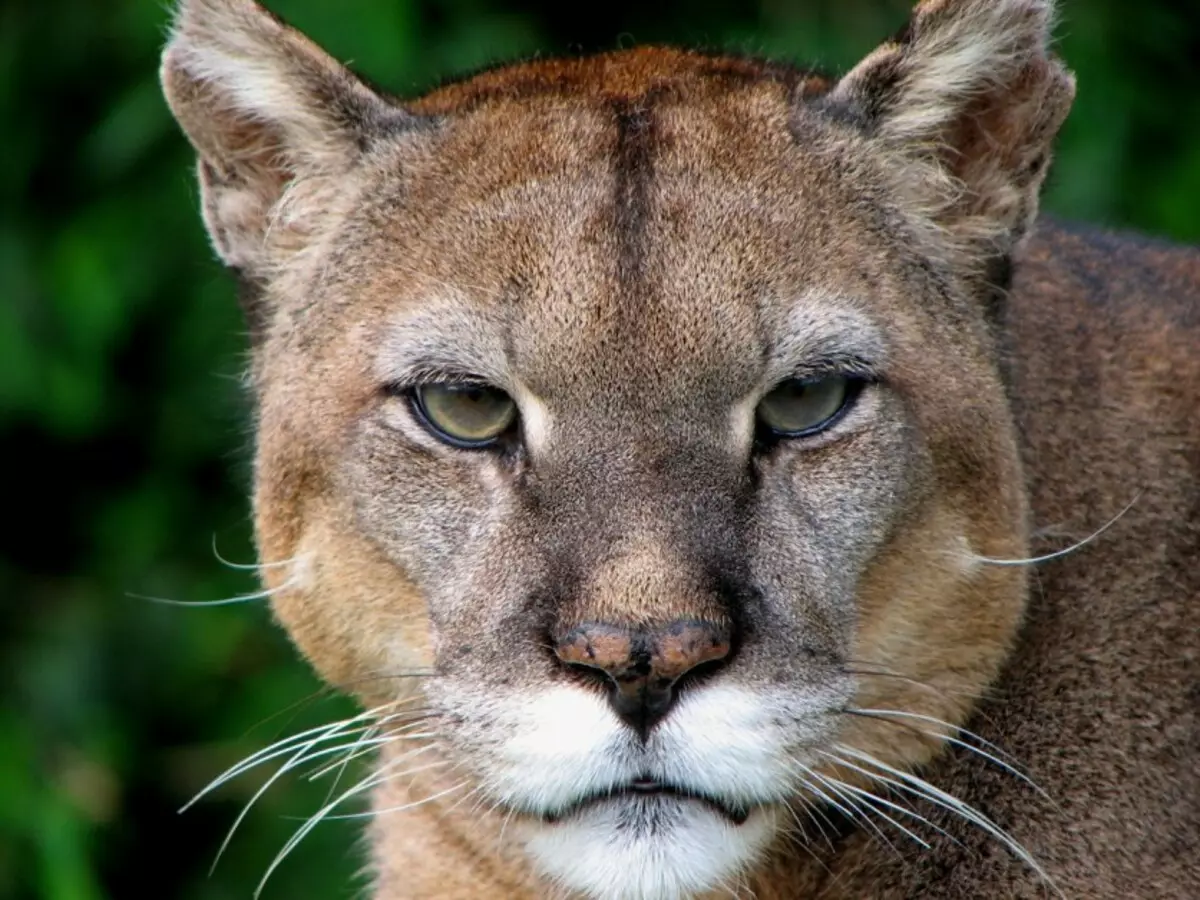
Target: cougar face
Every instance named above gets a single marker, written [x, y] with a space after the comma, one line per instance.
[647, 402]
[637, 505]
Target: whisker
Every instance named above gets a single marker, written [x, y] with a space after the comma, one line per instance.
[812, 810]
[883, 672]
[854, 812]
[373, 813]
[362, 747]
[301, 756]
[503, 825]
[302, 744]
[1034, 560]
[474, 794]
[279, 748]
[304, 830]
[251, 567]
[921, 787]
[363, 784]
[311, 737]
[875, 776]
[871, 797]
[868, 796]
[998, 756]
[800, 833]
[342, 763]
[228, 601]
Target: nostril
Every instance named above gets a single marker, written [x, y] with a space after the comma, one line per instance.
[588, 674]
[701, 672]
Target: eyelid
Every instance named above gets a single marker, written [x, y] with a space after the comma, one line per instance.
[851, 368]
[417, 377]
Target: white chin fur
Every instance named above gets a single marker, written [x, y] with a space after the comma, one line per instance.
[647, 848]
[565, 744]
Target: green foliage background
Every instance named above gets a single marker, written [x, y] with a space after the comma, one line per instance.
[123, 424]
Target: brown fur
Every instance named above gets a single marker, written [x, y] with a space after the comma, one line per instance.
[636, 247]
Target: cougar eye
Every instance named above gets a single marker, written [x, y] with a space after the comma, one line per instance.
[464, 415]
[800, 407]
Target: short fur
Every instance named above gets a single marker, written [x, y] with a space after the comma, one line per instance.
[637, 247]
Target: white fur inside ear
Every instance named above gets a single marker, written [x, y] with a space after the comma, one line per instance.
[246, 67]
[984, 45]
[959, 48]
[277, 123]
[966, 106]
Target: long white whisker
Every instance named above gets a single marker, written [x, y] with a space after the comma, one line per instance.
[228, 601]
[251, 567]
[812, 810]
[301, 756]
[304, 830]
[282, 747]
[279, 748]
[868, 796]
[883, 779]
[997, 757]
[957, 806]
[1034, 560]
[348, 755]
[933, 720]
[361, 748]
[296, 759]
[858, 812]
[371, 718]
[405, 806]
[417, 751]
[362, 785]
[809, 786]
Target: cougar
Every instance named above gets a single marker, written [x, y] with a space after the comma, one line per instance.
[712, 477]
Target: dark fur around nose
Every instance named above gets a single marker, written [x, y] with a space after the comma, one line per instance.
[643, 665]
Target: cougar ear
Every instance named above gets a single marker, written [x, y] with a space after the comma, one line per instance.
[266, 110]
[971, 93]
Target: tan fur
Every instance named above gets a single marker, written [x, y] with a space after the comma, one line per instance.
[637, 247]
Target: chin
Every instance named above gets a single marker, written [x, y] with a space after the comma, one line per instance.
[658, 847]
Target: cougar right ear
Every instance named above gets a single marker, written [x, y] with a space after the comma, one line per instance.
[972, 94]
[267, 112]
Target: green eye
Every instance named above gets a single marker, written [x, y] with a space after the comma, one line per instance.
[465, 415]
[801, 407]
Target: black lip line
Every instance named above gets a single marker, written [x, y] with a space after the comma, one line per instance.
[648, 787]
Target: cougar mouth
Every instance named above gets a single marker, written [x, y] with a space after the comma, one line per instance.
[645, 788]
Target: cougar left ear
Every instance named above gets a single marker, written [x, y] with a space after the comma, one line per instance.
[970, 94]
[267, 111]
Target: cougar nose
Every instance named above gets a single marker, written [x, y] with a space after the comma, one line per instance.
[643, 665]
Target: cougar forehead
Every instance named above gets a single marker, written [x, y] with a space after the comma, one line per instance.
[677, 240]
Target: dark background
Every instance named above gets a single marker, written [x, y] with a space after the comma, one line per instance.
[123, 423]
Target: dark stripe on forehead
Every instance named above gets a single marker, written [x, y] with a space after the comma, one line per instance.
[634, 170]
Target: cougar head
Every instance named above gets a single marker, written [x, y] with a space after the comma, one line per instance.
[650, 402]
